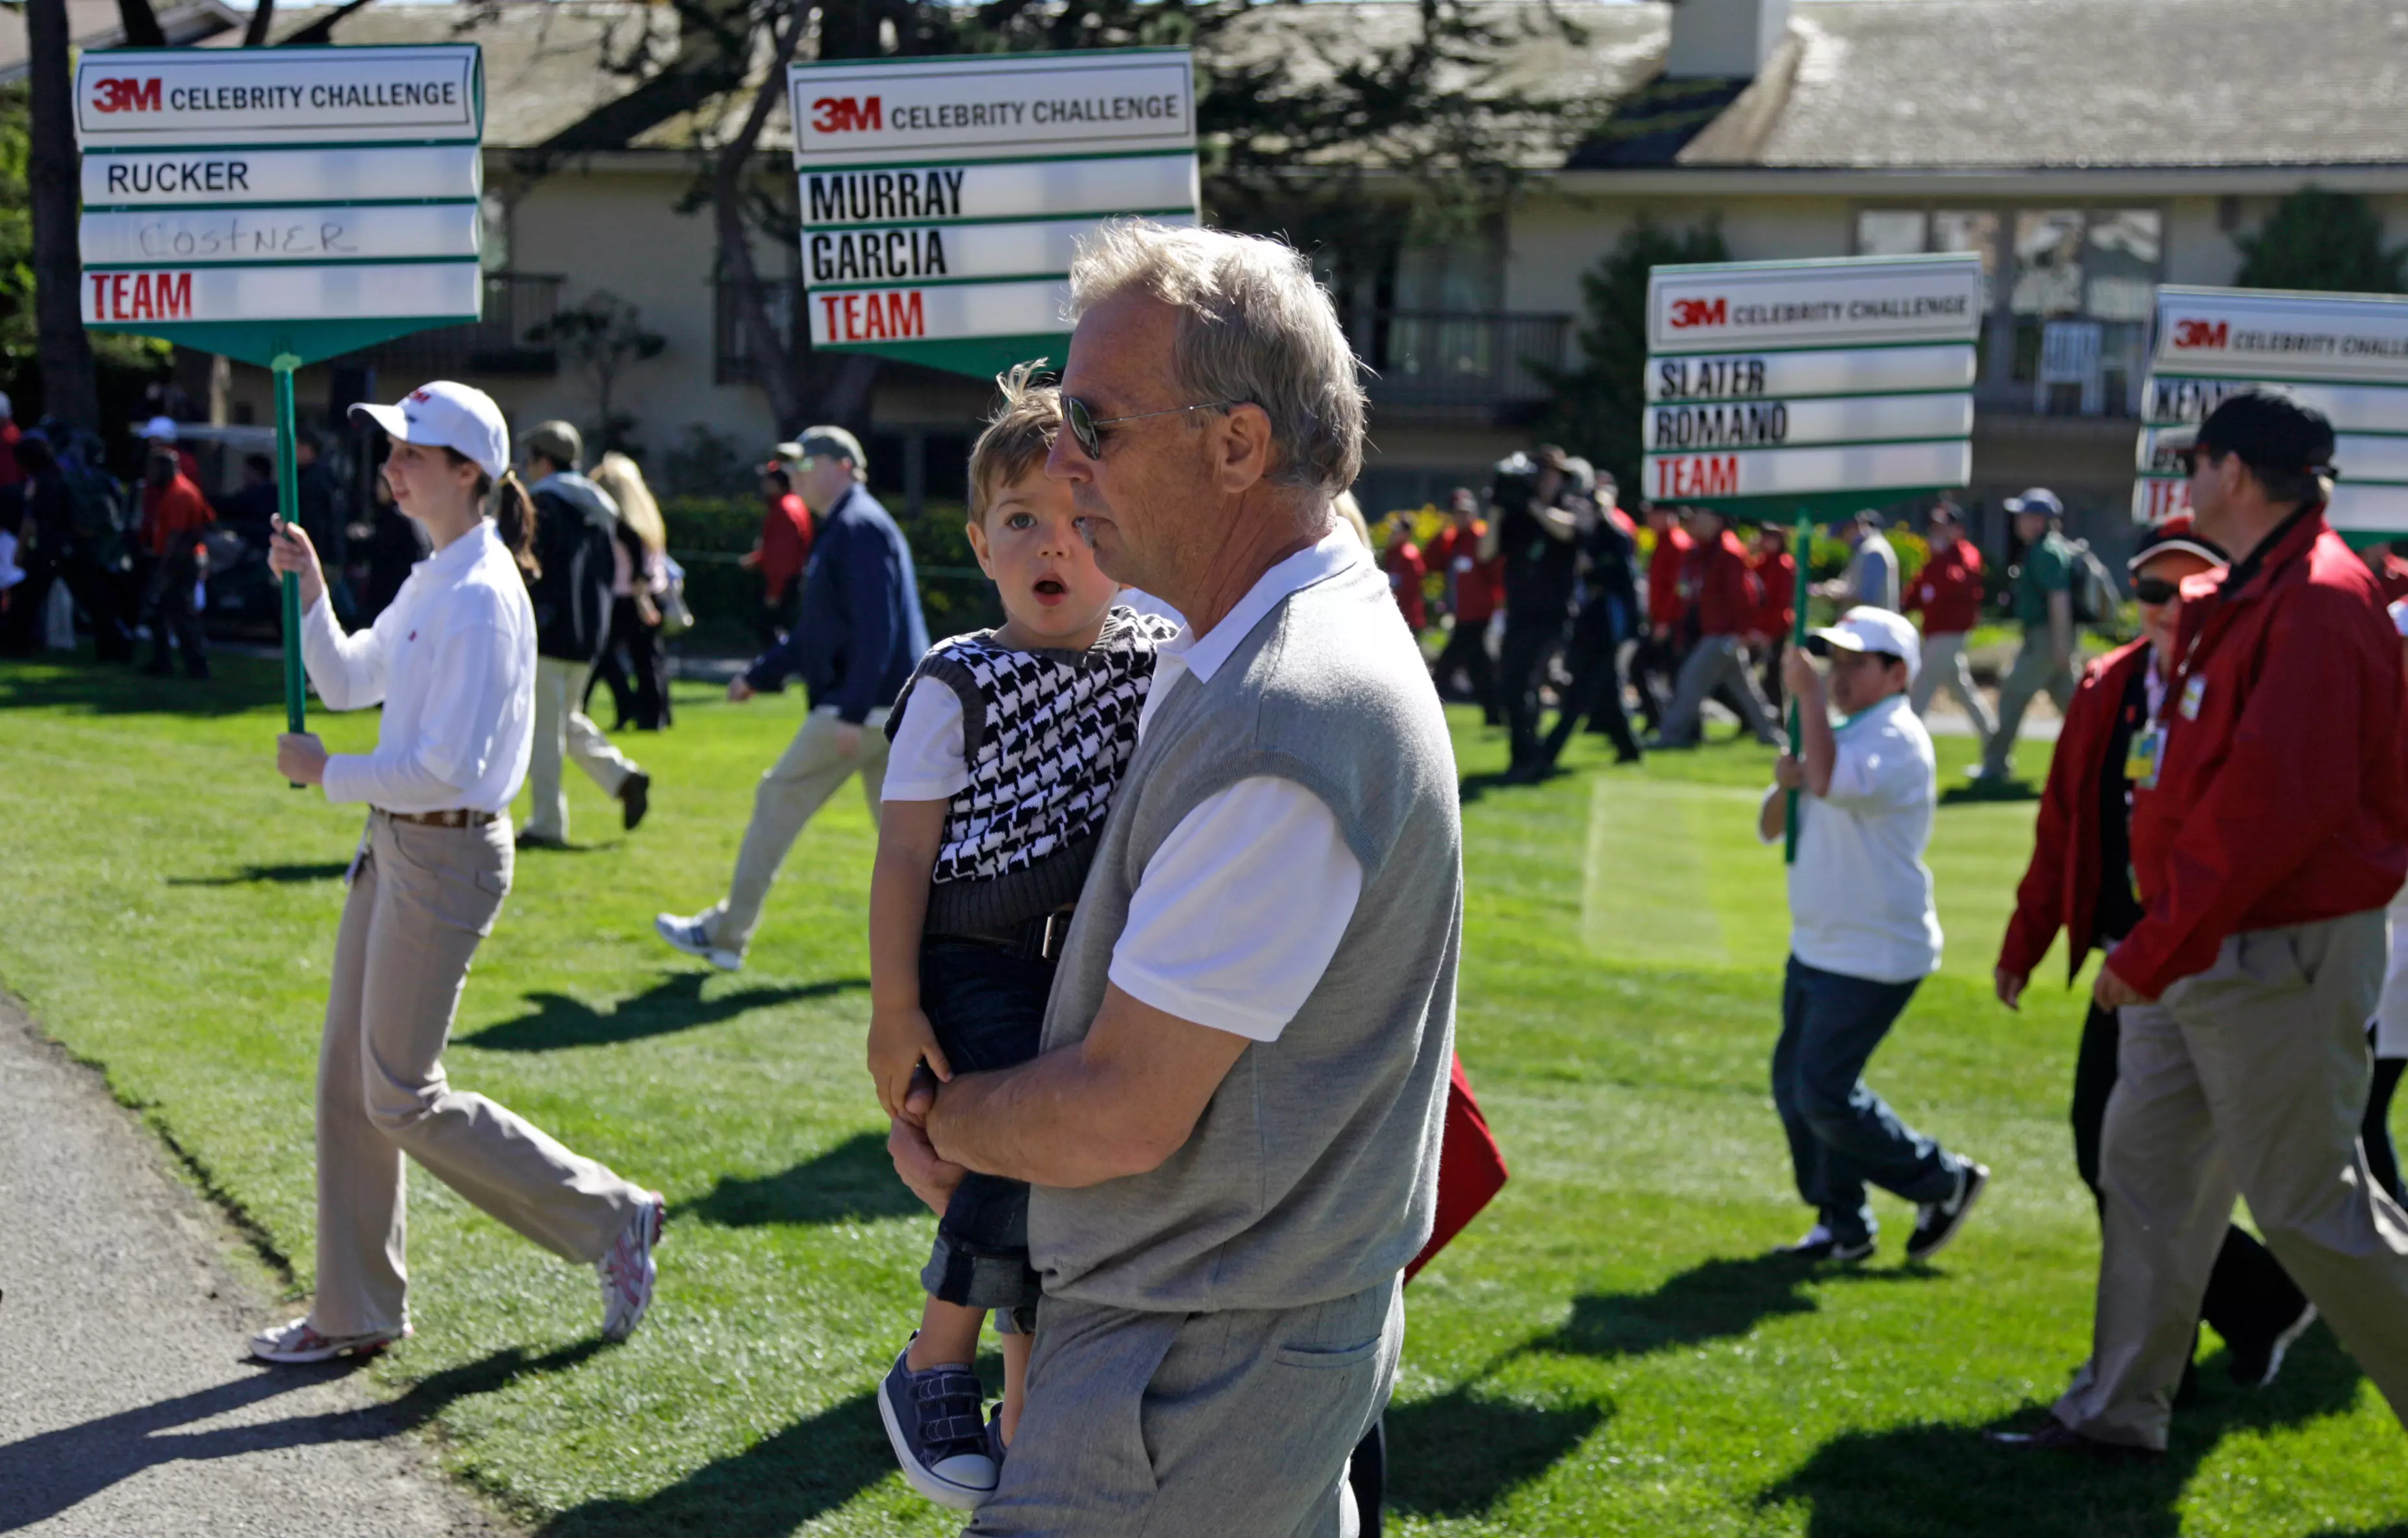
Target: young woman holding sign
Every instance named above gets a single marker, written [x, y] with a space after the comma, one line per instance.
[452, 661]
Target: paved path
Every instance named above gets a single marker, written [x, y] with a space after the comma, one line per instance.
[125, 1407]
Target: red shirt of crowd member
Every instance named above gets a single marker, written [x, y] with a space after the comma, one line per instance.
[1776, 575]
[11, 471]
[1665, 569]
[173, 507]
[2390, 572]
[1728, 596]
[2281, 794]
[1407, 571]
[1948, 590]
[784, 547]
[1479, 586]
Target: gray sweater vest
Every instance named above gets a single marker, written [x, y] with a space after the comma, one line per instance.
[1313, 1172]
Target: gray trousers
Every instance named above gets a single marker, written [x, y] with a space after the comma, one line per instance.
[1716, 662]
[1144, 1424]
[2036, 668]
[791, 790]
[2248, 1079]
[1945, 663]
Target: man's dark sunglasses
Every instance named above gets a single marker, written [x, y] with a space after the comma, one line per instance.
[2155, 590]
[1086, 428]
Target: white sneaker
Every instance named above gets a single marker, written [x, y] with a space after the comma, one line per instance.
[628, 1273]
[688, 935]
[298, 1343]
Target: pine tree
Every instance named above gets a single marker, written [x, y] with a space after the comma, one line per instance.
[2325, 242]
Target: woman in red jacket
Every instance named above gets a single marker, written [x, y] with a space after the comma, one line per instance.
[2081, 881]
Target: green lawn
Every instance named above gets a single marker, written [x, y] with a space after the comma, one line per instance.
[1600, 1353]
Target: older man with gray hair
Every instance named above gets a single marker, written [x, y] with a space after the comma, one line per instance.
[1232, 1133]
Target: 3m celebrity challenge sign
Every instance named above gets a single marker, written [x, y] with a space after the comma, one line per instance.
[1800, 381]
[943, 200]
[227, 187]
[2345, 355]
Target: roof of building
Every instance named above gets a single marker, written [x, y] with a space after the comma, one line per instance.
[98, 24]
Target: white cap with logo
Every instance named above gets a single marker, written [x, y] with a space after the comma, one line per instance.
[446, 415]
[1864, 628]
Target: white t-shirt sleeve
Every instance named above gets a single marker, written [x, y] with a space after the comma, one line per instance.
[1239, 910]
[1876, 770]
[925, 761]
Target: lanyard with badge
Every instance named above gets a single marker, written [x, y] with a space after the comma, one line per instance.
[2186, 688]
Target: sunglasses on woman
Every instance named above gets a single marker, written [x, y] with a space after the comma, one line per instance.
[1087, 429]
[2155, 590]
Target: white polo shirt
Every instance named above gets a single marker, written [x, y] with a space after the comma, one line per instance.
[452, 661]
[1860, 899]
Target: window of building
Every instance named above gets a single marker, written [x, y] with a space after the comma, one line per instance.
[493, 212]
[1890, 232]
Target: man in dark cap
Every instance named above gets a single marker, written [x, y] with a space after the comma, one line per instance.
[2269, 830]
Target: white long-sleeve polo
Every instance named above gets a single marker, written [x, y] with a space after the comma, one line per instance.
[453, 660]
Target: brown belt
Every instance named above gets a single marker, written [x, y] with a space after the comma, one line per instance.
[456, 817]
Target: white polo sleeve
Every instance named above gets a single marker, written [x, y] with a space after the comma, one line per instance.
[1239, 910]
[1875, 772]
[925, 761]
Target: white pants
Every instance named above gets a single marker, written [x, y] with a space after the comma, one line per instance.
[563, 731]
[1945, 663]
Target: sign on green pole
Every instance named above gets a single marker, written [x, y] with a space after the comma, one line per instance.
[281, 207]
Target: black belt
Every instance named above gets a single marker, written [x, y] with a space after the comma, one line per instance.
[1039, 940]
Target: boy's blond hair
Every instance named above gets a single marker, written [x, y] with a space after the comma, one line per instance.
[1017, 438]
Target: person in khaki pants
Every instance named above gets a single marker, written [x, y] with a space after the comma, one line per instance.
[859, 636]
[453, 660]
[2269, 830]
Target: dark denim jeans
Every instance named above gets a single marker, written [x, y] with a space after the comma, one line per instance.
[988, 1011]
[1842, 1135]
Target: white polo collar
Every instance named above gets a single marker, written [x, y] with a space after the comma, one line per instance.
[463, 553]
[1338, 550]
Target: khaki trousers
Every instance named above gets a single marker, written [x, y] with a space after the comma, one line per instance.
[793, 788]
[2248, 1078]
[1945, 663]
[563, 732]
[2036, 668]
[421, 899]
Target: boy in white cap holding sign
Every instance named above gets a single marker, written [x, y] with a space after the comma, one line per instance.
[1863, 935]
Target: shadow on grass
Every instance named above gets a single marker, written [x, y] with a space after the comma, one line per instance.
[852, 1181]
[280, 874]
[1459, 1454]
[1978, 794]
[1717, 1299]
[675, 1003]
[775, 1485]
[57, 1470]
[1904, 1479]
[238, 685]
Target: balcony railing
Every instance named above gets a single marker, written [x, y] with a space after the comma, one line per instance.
[517, 305]
[733, 355]
[1461, 359]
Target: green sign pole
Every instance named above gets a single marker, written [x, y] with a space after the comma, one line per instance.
[1802, 546]
[288, 507]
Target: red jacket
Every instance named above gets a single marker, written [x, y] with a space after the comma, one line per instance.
[1722, 586]
[1471, 1167]
[785, 545]
[1406, 570]
[1948, 590]
[1776, 610]
[1479, 585]
[2281, 797]
[2392, 576]
[2060, 887]
[175, 509]
[1665, 569]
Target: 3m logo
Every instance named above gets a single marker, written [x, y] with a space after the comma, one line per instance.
[1689, 312]
[847, 115]
[118, 95]
[2202, 333]
[1685, 476]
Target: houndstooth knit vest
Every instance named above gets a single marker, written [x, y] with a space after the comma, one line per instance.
[1046, 735]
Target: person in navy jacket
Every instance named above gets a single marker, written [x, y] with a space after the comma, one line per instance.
[859, 637]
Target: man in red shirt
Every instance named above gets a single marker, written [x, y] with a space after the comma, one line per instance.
[1657, 663]
[1725, 596]
[1474, 589]
[175, 515]
[1947, 592]
[1406, 572]
[2390, 572]
[2270, 829]
[782, 552]
[10, 472]
[1776, 610]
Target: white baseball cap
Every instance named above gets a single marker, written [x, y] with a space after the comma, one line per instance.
[159, 430]
[1864, 628]
[447, 415]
